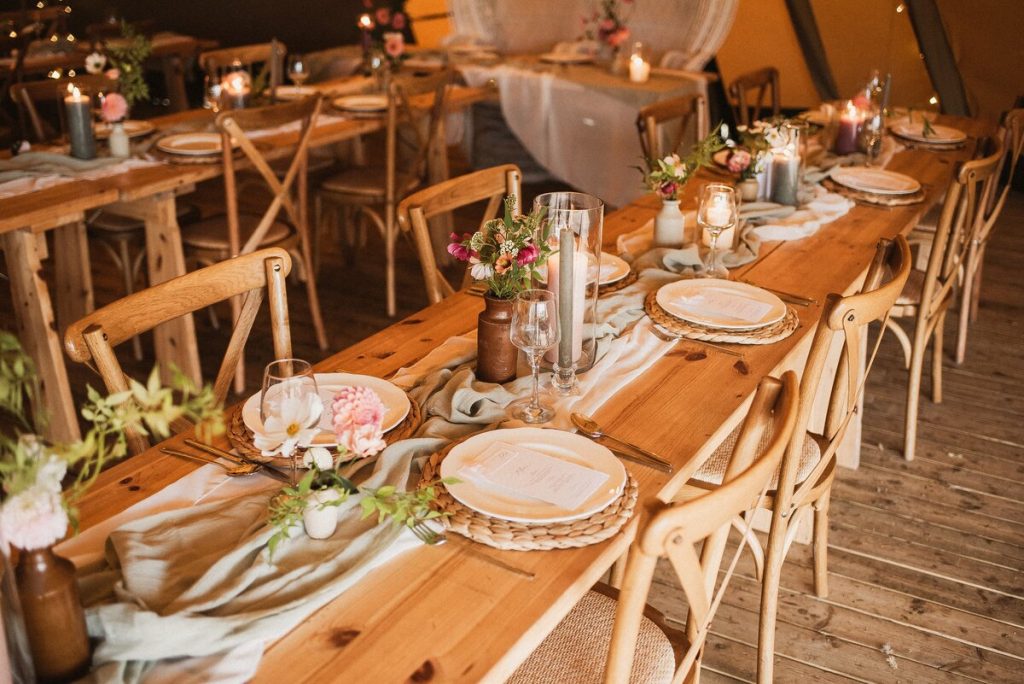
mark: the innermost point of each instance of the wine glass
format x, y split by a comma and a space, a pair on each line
534, 330
298, 69
871, 132
718, 212
211, 93
289, 388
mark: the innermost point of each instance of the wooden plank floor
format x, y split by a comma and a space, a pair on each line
926, 559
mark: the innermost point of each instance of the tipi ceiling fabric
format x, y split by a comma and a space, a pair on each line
694, 29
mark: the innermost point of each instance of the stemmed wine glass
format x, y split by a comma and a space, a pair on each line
718, 212
298, 69
289, 390
872, 130
534, 330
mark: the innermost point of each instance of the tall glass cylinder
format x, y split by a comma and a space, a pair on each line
572, 222
784, 167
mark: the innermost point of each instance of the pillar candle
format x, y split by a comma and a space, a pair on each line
366, 25
785, 178
639, 69
79, 116
567, 277
849, 127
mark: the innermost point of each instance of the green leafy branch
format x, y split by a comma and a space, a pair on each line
128, 59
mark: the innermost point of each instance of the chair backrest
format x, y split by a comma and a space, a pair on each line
849, 317
215, 63
692, 535
748, 110
29, 95
671, 120
237, 125
962, 216
93, 338
998, 191
407, 97
417, 209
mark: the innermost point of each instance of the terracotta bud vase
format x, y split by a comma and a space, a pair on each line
54, 618
495, 354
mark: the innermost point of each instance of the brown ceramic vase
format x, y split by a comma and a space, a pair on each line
495, 354
54, 618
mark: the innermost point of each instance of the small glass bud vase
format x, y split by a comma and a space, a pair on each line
118, 141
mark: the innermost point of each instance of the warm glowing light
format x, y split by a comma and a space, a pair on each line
40, 4
365, 22
71, 73
13, 34
71, 38
53, 38
899, 8
74, 94
933, 100
53, 73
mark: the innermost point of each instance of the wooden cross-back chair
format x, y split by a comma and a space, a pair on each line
929, 293
268, 56
591, 646
93, 338
372, 192
763, 81
671, 120
52, 91
243, 230
416, 210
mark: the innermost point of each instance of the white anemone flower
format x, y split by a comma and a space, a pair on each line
481, 271
319, 457
95, 62
293, 423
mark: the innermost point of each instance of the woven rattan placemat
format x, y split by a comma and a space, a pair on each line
625, 282
241, 437
767, 335
515, 536
871, 198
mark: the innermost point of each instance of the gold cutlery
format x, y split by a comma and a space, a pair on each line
232, 470
241, 460
431, 537
785, 296
589, 427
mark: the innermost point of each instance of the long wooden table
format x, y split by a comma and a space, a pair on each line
440, 613
149, 195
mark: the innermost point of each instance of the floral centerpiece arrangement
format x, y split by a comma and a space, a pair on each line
123, 62
669, 175
607, 25
748, 154
388, 23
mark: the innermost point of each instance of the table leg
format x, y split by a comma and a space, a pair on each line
35, 326
175, 340
73, 274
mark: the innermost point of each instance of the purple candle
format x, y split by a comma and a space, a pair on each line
849, 128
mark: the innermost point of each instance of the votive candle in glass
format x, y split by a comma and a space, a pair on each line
849, 129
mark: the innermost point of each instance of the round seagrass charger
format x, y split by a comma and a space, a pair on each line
876, 199
619, 284
241, 437
766, 335
515, 536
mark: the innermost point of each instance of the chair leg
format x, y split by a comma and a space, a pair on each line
967, 297
937, 345
127, 273
774, 559
976, 287
389, 272
913, 396
820, 549
314, 298
318, 215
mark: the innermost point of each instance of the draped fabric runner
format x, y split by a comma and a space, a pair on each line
38, 170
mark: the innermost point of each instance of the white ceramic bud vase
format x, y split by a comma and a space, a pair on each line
118, 141
749, 189
669, 225
321, 521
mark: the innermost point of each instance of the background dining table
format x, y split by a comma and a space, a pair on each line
441, 613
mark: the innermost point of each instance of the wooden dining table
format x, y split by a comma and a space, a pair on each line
148, 194
444, 614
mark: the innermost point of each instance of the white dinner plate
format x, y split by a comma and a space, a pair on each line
362, 103
942, 135
718, 303
190, 144
878, 181
566, 446
294, 92
396, 404
613, 269
566, 58
133, 127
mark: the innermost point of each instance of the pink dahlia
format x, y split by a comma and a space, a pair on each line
394, 44
358, 420
527, 255
738, 161
114, 107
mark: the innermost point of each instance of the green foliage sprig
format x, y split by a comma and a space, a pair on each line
128, 59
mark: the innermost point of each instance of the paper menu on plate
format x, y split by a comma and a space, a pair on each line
532, 475
722, 304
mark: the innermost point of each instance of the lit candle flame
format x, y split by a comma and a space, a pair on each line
365, 22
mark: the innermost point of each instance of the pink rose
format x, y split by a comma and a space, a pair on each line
358, 417
394, 44
619, 37
668, 190
398, 21
114, 107
527, 255
383, 15
112, 74
738, 161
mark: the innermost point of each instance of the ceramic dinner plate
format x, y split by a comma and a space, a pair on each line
566, 58
362, 103
396, 404
294, 92
942, 135
718, 303
190, 144
877, 181
613, 269
132, 127
566, 446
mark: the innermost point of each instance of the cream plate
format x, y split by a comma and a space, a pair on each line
132, 127
566, 446
190, 144
566, 58
613, 269
943, 135
362, 103
396, 404
294, 92
718, 303
877, 181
